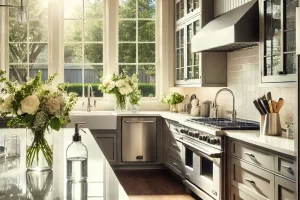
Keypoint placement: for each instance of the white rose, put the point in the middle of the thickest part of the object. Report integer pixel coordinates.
(111, 85)
(61, 100)
(120, 83)
(6, 105)
(135, 85)
(123, 90)
(135, 78)
(53, 105)
(105, 83)
(30, 104)
(129, 88)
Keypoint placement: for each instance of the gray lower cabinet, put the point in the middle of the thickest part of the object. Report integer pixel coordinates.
(107, 141)
(284, 189)
(172, 148)
(259, 174)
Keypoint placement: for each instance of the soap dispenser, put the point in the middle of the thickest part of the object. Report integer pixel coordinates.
(77, 156)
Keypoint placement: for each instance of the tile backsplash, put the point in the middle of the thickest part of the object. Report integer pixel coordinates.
(243, 80)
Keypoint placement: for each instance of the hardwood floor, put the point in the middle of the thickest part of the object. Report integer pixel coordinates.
(152, 185)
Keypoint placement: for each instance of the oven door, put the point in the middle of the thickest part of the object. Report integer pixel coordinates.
(203, 166)
(209, 174)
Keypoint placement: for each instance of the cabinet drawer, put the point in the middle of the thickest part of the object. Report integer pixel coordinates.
(285, 189)
(236, 194)
(250, 154)
(174, 127)
(252, 180)
(172, 143)
(175, 163)
(286, 167)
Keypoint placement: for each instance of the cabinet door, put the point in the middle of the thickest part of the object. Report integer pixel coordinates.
(107, 143)
(279, 40)
(236, 194)
(284, 189)
(180, 55)
(193, 68)
(179, 11)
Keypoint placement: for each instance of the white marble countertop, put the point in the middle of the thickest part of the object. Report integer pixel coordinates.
(17, 183)
(279, 144)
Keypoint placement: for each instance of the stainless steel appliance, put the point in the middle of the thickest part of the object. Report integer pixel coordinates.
(203, 160)
(139, 143)
(228, 32)
(225, 124)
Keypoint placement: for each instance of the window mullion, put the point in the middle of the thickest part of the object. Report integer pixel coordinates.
(136, 37)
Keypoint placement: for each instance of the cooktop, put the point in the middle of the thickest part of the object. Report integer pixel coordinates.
(226, 124)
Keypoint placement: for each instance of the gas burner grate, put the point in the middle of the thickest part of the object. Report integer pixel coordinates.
(226, 124)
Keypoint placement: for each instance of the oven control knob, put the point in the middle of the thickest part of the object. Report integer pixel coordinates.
(200, 137)
(218, 141)
(191, 133)
(181, 131)
(213, 141)
(205, 138)
(196, 134)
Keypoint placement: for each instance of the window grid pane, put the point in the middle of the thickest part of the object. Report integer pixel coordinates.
(83, 47)
(28, 42)
(137, 42)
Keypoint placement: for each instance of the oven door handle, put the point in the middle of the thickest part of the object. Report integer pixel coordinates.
(200, 151)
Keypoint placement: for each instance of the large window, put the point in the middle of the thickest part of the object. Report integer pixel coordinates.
(28, 42)
(137, 42)
(83, 45)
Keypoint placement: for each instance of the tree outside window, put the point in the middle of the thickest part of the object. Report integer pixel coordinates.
(137, 42)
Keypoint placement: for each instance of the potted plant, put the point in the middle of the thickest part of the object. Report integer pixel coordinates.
(39, 107)
(173, 99)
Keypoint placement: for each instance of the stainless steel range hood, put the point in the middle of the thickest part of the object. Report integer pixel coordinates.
(236, 29)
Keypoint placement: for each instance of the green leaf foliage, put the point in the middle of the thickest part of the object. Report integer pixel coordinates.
(55, 124)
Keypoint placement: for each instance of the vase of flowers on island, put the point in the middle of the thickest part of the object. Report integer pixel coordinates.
(173, 99)
(40, 108)
(122, 87)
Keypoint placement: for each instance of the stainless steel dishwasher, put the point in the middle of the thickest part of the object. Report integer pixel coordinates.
(139, 139)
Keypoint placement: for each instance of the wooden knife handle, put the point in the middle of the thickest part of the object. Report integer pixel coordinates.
(270, 106)
(274, 105)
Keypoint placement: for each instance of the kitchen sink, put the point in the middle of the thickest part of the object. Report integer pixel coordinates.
(95, 119)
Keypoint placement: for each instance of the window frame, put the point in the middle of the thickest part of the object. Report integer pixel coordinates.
(164, 55)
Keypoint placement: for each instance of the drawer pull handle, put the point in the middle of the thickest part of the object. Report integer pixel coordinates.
(250, 154)
(176, 129)
(175, 164)
(287, 167)
(250, 181)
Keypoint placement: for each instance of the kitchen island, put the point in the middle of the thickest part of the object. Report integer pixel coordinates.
(18, 183)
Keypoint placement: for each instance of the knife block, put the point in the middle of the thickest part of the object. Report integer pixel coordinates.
(271, 124)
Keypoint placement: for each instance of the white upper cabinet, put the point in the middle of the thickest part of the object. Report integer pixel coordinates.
(196, 69)
(279, 62)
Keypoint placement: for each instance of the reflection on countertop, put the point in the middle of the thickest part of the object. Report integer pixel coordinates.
(18, 183)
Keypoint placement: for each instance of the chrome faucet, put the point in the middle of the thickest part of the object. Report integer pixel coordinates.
(89, 94)
(233, 103)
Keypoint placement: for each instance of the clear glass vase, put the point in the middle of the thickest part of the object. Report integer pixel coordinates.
(39, 184)
(174, 108)
(39, 149)
(134, 108)
(121, 104)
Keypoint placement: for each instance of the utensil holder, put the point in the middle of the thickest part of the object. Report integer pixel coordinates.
(272, 125)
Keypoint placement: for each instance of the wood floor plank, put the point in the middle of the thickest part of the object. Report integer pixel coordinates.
(152, 185)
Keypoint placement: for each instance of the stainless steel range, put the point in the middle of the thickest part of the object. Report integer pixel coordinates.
(203, 160)
(203, 154)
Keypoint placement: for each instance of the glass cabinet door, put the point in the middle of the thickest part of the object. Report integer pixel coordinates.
(192, 61)
(179, 9)
(279, 40)
(180, 38)
(192, 5)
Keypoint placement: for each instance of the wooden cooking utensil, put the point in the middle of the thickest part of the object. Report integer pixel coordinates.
(270, 106)
(274, 105)
(279, 105)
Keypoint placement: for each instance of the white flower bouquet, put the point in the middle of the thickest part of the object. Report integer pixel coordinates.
(36, 106)
(122, 86)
